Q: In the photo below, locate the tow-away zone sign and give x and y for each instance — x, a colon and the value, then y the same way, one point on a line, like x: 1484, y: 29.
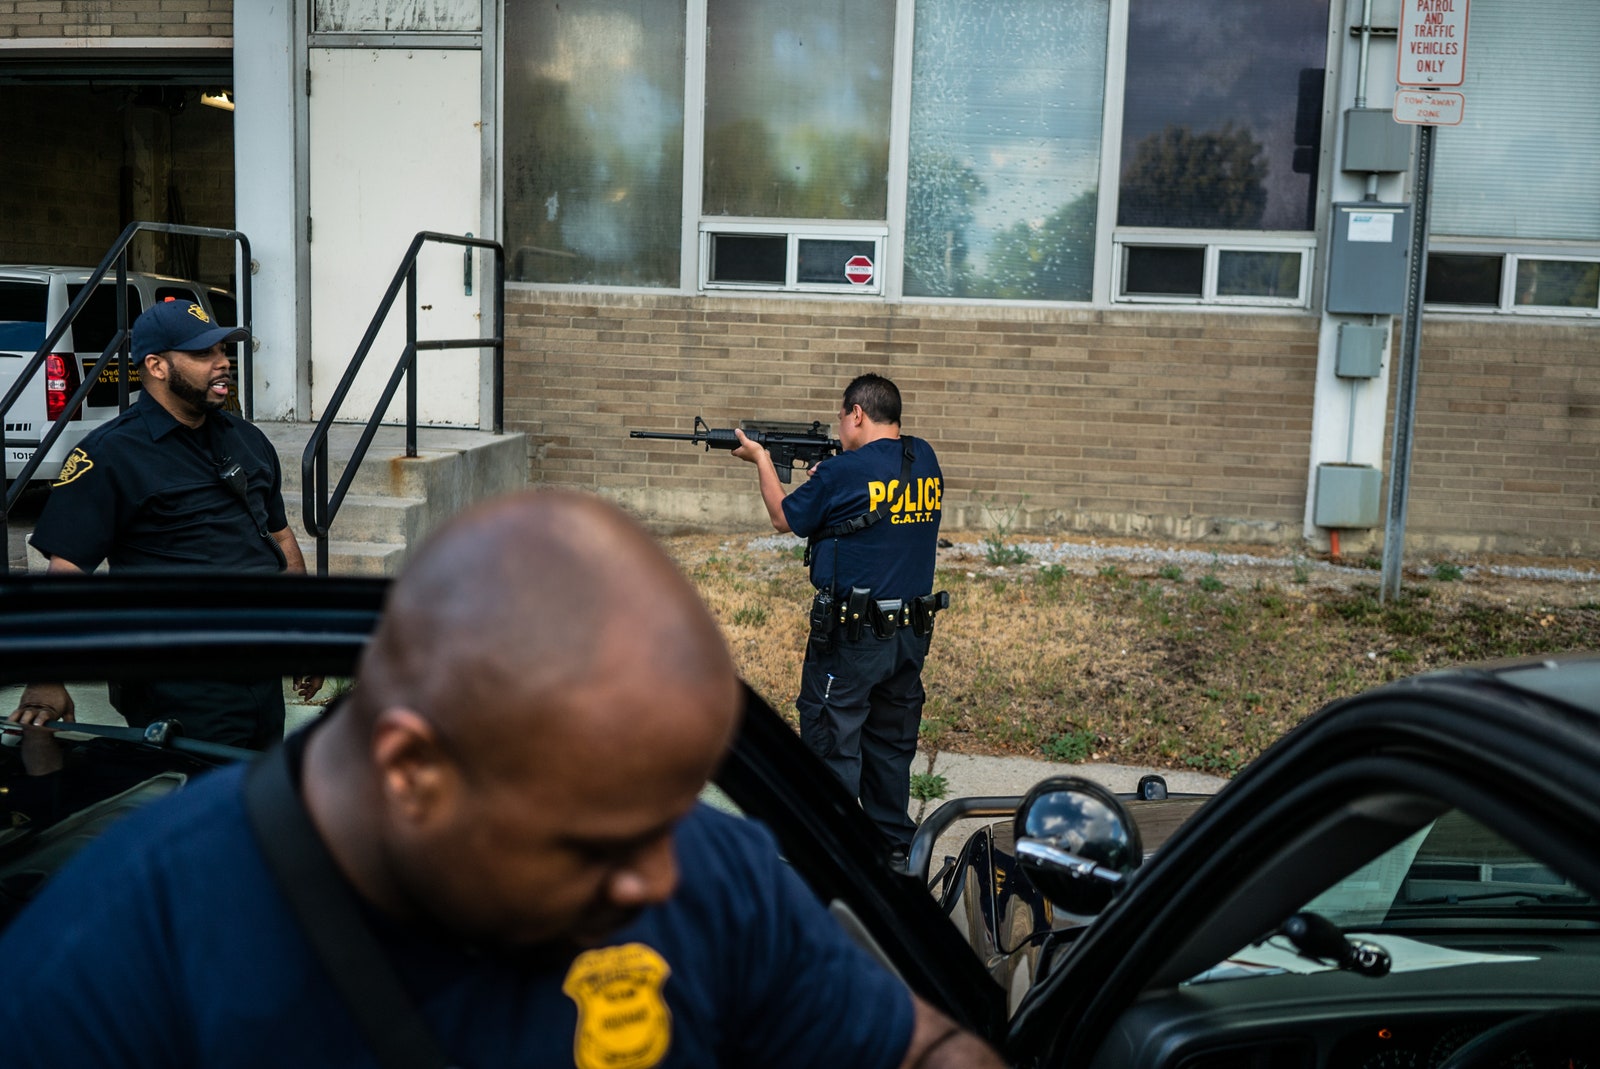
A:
x: 1422, y: 108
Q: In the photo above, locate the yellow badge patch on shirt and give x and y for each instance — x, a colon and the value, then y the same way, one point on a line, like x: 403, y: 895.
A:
x: 77, y: 464
x: 623, y: 1020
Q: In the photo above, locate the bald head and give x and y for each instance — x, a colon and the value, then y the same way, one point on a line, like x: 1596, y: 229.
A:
x: 544, y: 699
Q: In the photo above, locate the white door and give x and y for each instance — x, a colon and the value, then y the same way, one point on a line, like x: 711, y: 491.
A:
x: 395, y: 149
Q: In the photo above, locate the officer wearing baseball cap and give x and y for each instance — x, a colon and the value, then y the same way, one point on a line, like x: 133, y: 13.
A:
x: 174, y: 483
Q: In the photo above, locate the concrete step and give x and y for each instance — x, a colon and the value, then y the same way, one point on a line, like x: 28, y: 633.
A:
x: 395, y: 501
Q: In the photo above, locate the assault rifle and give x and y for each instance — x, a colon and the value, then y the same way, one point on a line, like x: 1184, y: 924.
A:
x: 787, y: 442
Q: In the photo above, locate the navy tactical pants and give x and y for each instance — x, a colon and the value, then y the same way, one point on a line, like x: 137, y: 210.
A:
x: 860, y: 707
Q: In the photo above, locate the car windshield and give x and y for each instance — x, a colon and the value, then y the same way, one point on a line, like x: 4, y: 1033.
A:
x: 1455, y: 870
x: 1437, y: 898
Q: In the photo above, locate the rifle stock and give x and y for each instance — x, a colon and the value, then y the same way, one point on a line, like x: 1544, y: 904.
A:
x: 788, y: 443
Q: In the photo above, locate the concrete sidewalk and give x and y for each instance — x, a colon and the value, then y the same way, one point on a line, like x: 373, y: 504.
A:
x: 977, y: 775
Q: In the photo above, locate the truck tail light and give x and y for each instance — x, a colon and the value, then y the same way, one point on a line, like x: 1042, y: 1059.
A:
x: 60, y: 382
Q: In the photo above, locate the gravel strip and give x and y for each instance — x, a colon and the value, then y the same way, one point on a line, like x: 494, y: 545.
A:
x: 1042, y: 553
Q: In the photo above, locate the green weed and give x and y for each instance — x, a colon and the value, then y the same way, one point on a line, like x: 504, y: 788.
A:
x: 928, y: 786
x: 1071, y: 746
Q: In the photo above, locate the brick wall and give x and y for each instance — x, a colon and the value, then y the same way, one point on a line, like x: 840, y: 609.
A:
x: 59, y: 199
x: 1187, y: 425
x: 66, y: 147
x: 1506, y: 450
x: 45, y: 19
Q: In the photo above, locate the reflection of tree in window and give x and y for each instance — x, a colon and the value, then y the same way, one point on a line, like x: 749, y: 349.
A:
x: 1053, y: 260
x: 773, y: 185
x: 941, y: 196
x: 1254, y: 65
x: 797, y: 102
x: 594, y: 141
x: 1210, y: 180
x: 1007, y: 101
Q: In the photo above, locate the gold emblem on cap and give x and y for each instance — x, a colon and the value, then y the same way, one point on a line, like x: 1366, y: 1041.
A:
x: 623, y: 1020
x: 199, y: 313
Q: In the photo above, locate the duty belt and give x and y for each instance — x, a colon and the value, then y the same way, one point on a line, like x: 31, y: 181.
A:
x: 885, y: 616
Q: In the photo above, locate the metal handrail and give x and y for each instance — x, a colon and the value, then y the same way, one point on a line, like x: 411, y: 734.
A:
x: 319, y: 506
x: 118, y: 346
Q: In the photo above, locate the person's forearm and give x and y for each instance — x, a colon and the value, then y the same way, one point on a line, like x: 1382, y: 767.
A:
x: 937, y: 1042
x: 294, y: 561
x: 772, y: 493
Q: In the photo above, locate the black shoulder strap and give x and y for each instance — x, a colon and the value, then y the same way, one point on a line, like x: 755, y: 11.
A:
x: 220, y: 435
x: 325, y: 907
x: 866, y: 519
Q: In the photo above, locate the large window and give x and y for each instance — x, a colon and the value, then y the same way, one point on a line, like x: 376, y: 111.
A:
x: 1006, y: 105
x: 1515, y: 218
x: 797, y: 108
x: 1209, y: 125
x: 594, y: 141
x: 1524, y: 161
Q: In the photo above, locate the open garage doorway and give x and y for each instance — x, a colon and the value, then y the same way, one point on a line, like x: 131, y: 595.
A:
x: 92, y: 145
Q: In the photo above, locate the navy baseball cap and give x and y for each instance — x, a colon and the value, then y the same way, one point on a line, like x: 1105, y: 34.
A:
x: 180, y: 325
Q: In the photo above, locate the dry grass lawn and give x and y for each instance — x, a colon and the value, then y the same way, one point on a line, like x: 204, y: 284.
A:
x: 1160, y: 665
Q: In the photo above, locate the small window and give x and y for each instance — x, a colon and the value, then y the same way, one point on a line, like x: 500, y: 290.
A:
x: 22, y: 312
x: 1215, y: 272
x: 1558, y: 283
x: 176, y: 293
x: 832, y: 262
x: 224, y: 309
x: 1258, y: 273
x: 749, y: 259
x: 1464, y: 278
x: 753, y: 256
x: 1152, y: 271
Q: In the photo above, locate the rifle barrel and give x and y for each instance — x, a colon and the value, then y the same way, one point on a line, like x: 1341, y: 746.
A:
x: 672, y: 435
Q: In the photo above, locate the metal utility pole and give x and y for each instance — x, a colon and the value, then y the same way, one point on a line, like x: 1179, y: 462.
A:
x: 1405, y: 405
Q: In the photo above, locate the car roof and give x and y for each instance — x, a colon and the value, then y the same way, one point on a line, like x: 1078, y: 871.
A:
x: 80, y: 274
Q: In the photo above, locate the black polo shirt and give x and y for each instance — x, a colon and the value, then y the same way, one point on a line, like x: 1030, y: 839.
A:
x: 144, y: 493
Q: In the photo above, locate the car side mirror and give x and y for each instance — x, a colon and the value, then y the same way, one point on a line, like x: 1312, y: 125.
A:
x: 1076, y: 841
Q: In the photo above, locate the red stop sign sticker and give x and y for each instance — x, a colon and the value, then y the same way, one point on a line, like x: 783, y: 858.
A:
x: 858, y: 269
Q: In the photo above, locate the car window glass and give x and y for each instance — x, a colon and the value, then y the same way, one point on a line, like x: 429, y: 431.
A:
x: 1454, y: 870
x: 176, y: 293
x: 224, y: 309
x: 96, y: 323
x: 22, y: 310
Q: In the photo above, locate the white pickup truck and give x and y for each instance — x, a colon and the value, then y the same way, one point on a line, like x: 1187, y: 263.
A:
x: 32, y: 300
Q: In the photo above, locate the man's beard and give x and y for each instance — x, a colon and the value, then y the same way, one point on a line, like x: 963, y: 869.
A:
x: 200, y: 397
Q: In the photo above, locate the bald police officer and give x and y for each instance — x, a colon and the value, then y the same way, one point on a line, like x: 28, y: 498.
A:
x: 174, y: 483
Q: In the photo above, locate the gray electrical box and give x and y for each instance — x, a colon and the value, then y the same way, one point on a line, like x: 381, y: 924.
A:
x: 1373, y: 141
x: 1347, y: 496
x: 1367, y: 258
x: 1360, y: 353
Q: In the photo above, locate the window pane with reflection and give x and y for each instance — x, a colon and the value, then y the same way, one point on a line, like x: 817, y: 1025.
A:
x: 1006, y: 103
x: 797, y: 108
x: 594, y: 141
x: 1222, y: 114
x: 1558, y: 283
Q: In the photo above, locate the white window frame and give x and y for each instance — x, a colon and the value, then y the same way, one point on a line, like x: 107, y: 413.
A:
x: 1214, y: 243
x: 1509, y: 259
x: 795, y: 232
